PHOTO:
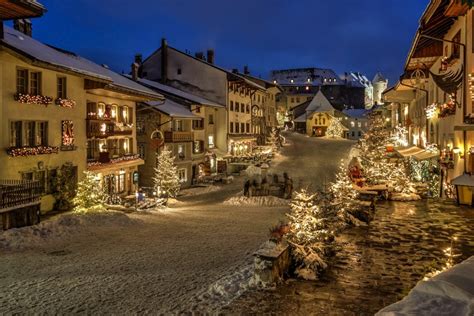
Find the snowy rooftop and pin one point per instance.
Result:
(355, 113)
(172, 109)
(49, 56)
(356, 79)
(165, 89)
(306, 76)
(320, 104)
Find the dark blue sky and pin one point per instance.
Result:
(346, 35)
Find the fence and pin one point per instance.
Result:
(16, 193)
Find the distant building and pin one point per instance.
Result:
(359, 83)
(380, 84)
(356, 122)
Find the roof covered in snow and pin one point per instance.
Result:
(50, 57)
(172, 109)
(169, 90)
(356, 113)
(379, 78)
(320, 104)
(305, 76)
(356, 79)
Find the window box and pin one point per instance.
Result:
(31, 151)
(65, 103)
(33, 99)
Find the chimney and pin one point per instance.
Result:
(210, 56)
(135, 68)
(164, 61)
(139, 61)
(246, 70)
(199, 55)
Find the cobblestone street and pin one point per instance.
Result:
(378, 264)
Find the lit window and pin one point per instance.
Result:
(182, 175)
(307, 88)
(292, 81)
(210, 140)
(352, 124)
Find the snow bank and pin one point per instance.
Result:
(404, 197)
(199, 190)
(256, 201)
(60, 227)
(449, 293)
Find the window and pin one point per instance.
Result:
(456, 48)
(198, 124)
(120, 183)
(242, 127)
(231, 106)
(198, 109)
(237, 128)
(211, 119)
(352, 124)
(359, 133)
(62, 90)
(141, 150)
(29, 134)
(353, 133)
(35, 83)
(210, 140)
(178, 126)
(359, 124)
(16, 134)
(324, 121)
(181, 153)
(248, 109)
(22, 81)
(292, 100)
(297, 100)
(182, 175)
(248, 127)
(231, 127)
(179, 71)
(242, 107)
(198, 146)
(41, 133)
(258, 98)
(141, 127)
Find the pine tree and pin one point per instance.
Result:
(166, 178)
(400, 136)
(274, 140)
(335, 128)
(310, 235)
(344, 196)
(90, 195)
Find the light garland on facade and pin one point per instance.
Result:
(32, 151)
(432, 111)
(65, 103)
(448, 108)
(114, 160)
(33, 99)
(67, 133)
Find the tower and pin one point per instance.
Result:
(380, 84)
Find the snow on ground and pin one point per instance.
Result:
(62, 226)
(162, 262)
(256, 201)
(199, 190)
(449, 293)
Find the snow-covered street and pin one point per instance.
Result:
(157, 262)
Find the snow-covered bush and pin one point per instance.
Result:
(310, 235)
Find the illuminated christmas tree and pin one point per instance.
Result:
(274, 140)
(335, 128)
(166, 179)
(400, 136)
(310, 234)
(90, 195)
(344, 196)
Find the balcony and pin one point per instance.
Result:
(100, 128)
(178, 137)
(123, 129)
(104, 161)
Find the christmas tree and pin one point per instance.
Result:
(90, 195)
(335, 128)
(310, 235)
(166, 178)
(400, 136)
(344, 196)
(274, 140)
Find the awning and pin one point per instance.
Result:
(417, 153)
(464, 180)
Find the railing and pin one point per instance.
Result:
(100, 128)
(178, 137)
(15, 193)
